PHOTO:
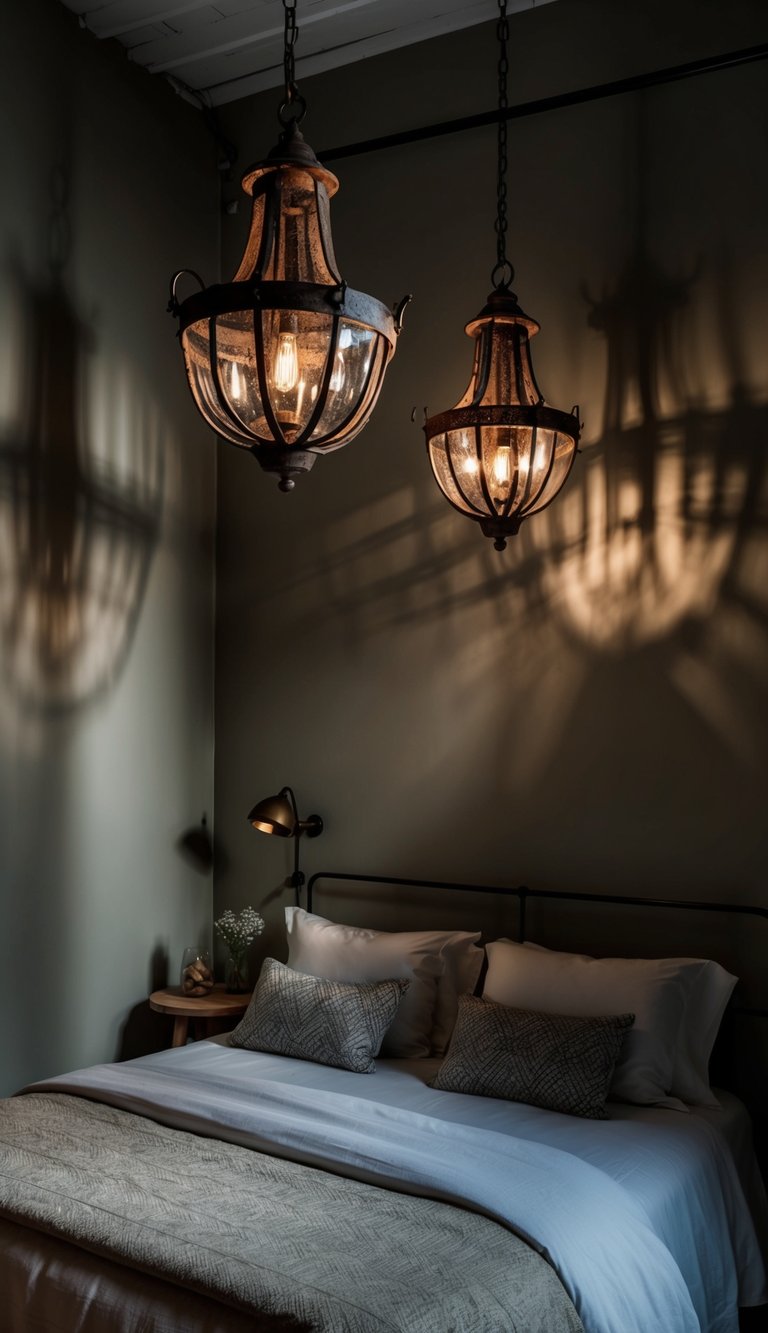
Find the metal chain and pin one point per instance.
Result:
(503, 273)
(294, 105)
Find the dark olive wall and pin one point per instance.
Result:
(107, 494)
(588, 708)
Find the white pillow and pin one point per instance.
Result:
(656, 991)
(700, 1024)
(463, 961)
(321, 948)
(457, 974)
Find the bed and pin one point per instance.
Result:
(220, 1187)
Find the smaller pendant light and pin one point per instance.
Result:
(500, 454)
(286, 360)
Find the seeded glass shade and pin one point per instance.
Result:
(501, 454)
(286, 360)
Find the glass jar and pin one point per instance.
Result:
(196, 977)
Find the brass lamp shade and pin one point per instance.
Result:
(286, 360)
(278, 814)
(501, 454)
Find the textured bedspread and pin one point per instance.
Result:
(610, 1255)
(302, 1248)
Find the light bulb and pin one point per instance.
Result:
(469, 465)
(235, 384)
(501, 465)
(286, 373)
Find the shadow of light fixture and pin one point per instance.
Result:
(649, 537)
(659, 527)
(279, 814)
(501, 454)
(286, 360)
(196, 846)
(76, 534)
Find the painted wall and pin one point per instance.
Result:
(588, 709)
(107, 486)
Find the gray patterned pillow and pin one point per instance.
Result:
(551, 1060)
(338, 1023)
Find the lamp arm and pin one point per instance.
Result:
(312, 827)
(297, 878)
(288, 791)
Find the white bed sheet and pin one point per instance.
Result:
(671, 1174)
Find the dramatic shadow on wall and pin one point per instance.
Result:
(659, 524)
(655, 526)
(79, 516)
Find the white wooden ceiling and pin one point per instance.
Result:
(224, 49)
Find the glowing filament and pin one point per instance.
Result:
(501, 465)
(235, 384)
(286, 374)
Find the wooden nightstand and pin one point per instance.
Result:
(212, 1012)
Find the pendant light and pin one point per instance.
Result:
(501, 454)
(286, 360)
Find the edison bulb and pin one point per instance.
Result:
(286, 374)
(235, 383)
(501, 465)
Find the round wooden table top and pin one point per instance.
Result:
(218, 1003)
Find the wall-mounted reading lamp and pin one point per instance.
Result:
(278, 814)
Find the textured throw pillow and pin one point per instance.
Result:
(656, 991)
(311, 1018)
(353, 953)
(554, 1061)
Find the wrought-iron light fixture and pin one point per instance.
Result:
(286, 360)
(279, 814)
(501, 454)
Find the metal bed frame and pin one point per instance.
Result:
(522, 894)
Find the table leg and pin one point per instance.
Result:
(180, 1030)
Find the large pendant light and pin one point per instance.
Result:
(286, 360)
(501, 454)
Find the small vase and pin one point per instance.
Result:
(236, 980)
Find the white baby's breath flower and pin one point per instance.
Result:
(239, 931)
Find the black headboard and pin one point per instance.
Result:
(522, 895)
(735, 1064)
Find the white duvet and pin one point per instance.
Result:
(643, 1216)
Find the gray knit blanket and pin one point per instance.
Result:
(296, 1247)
